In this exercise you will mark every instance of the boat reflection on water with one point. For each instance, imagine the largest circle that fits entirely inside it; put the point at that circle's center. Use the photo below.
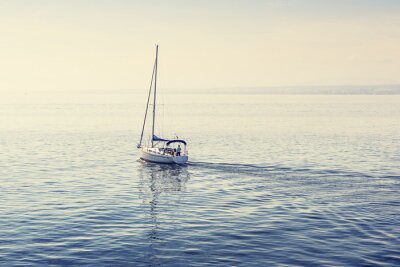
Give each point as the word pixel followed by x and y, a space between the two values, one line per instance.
pixel 160 188
pixel 156 179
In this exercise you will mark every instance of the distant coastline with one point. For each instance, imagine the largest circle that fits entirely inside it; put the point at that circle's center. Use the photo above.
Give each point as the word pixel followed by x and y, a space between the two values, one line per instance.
pixel 266 90
pixel 304 90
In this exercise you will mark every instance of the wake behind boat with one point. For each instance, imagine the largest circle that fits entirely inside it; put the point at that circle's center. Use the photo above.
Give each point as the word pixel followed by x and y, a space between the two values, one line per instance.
pixel 161 150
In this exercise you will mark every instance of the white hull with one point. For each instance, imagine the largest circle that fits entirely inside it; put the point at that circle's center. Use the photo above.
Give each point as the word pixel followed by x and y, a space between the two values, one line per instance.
pixel 152 155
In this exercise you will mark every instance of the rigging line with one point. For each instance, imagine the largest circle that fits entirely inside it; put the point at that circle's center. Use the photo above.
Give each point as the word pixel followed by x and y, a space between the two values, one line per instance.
pixel 163 111
pixel 147 106
pixel 154 100
pixel 163 121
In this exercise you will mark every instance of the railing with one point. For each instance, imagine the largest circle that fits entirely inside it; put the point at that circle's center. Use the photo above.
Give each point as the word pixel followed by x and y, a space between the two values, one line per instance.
pixel 157 151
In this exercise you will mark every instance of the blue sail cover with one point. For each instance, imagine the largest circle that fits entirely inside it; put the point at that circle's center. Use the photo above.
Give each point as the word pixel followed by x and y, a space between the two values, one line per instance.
pixel 156 138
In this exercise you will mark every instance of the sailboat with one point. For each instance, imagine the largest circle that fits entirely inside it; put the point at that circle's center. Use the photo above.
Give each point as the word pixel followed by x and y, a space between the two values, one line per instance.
pixel 160 150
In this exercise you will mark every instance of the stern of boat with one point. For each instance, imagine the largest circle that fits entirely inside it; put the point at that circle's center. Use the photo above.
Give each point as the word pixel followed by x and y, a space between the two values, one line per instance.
pixel 180 159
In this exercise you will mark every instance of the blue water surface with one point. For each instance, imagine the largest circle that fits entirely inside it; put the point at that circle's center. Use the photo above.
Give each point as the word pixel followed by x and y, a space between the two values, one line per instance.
pixel 272 181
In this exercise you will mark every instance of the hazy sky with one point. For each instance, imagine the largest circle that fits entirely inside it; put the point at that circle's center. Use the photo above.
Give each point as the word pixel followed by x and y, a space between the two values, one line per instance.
pixel 109 45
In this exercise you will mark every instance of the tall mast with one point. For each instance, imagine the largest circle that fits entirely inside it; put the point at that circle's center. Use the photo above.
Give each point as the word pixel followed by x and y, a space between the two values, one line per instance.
pixel 154 101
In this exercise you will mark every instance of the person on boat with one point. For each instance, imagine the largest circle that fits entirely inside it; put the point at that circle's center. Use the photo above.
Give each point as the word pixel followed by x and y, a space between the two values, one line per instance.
pixel 178 150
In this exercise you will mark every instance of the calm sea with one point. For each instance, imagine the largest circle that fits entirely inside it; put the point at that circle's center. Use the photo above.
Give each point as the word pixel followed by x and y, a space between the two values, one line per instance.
pixel 272 180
